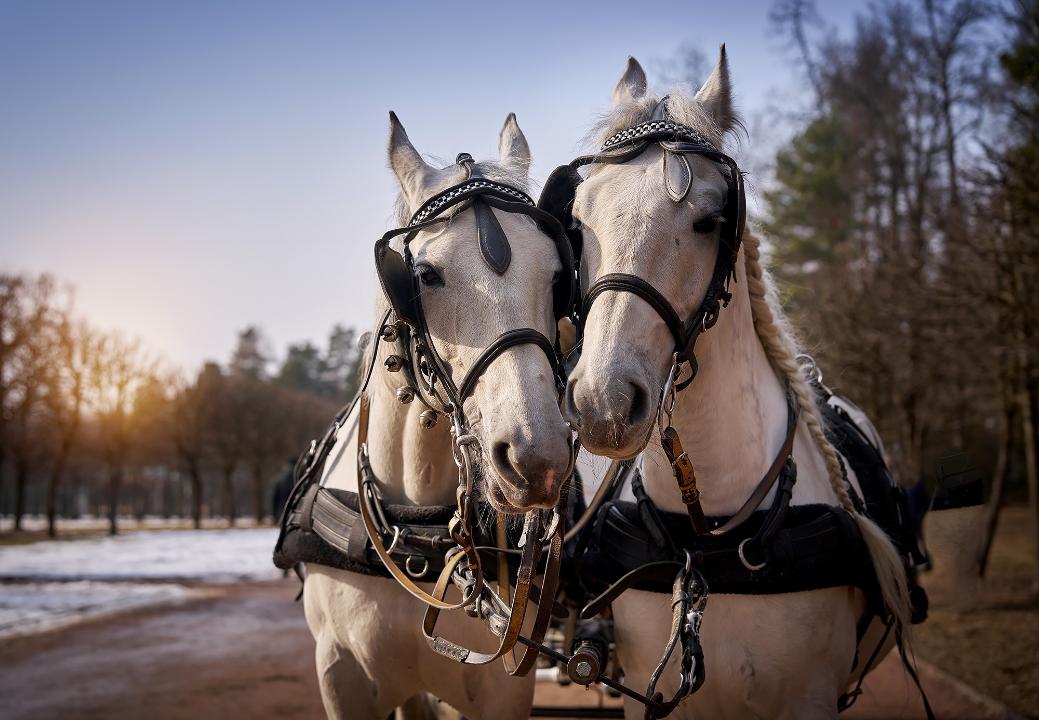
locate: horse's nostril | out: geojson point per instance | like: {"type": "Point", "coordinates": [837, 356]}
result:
{"type": "Point", "coordinates": [639, 406]}
{"type": "Point", "coordinates": [500, 454]}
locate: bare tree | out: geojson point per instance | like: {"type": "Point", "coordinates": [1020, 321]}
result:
{"type": "Point", "coordinates": [75, 348]}
{"type": "Point", "coordinates": [120, 367]}
{"type": "Point", "coordinates": [190, 412]}
{"type": "Point", "coordinates": [29, 314]}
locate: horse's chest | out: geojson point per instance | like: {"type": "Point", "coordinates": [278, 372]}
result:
{"type": "Point", "coordinates": [751, 644]}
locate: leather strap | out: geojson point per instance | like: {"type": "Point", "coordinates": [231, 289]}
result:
{"type": "Point", "coordinates": [546, 601]}
{"type": "Point", "coordinates": [509, 339]}
{"type": "Point", "coordinates": [774, 471]}
{"type": "Point", "coordinates": [376, 540]}
{"type": "Point", "coordinates": [685, 475]}
{"type": "Point", "coordinates": [623, 282]}
{"type": "Point", "coordinates": [508, 636]}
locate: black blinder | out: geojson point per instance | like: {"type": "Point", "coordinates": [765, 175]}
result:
{"type": "Point", "coordinates": [397, 283]}
{"type": "Point", "coordinates": [557, 199]}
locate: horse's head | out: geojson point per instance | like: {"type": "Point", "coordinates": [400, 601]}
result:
{"type": "Point", "coordinates": [471, 292]}
{"type": "Point", "coordinates": [633, 223]}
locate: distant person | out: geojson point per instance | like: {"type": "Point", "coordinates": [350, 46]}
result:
{"type": "Point", "coordinates": [282, 488]}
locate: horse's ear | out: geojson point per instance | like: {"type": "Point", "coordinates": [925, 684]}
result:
{"type": "Point", "coordinates": [716, 94]}
{"type": "Point", "coordinates": [411, 170]}
{"type": "Point", "coordinates": [513, 150]}
{"type": "Point", "coordinates": [632, 84]}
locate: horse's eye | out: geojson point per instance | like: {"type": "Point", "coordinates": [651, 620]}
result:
{"type": "Point", "coordinates": [706, 225]}
{"type": "Point", "coordinates": [429, 277]}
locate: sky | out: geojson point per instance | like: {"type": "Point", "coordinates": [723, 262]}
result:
{"type": "Point", "coordinates": [193, 167]}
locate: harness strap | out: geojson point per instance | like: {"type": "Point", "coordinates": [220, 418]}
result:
{"type": "Point", "coordinates": [509, 634]}
{"type": "Point", "coordinates": [366, 496]}
{"type": "Point", "coordinates": [623, 282]}
{"type": "Point", "coordinates": [846, 700]}
{"type": "Point", "coordinates": [685, 476]}
{"type": "Point", "coordinates": [546, 602]}
{"type": "Point", "coordinates": [509, 339]}
{"type": "Point", "coordinates": [770, 478]}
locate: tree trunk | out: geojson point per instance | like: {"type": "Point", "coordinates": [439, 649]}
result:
{"type": "Point", "coordinates": [196, 496]}
{"type": "Point", "coordinates": [1031, 471]}
{"type": "Point", "coordinates": [229, 505]}
{"type": "Point", "coordinates": [21, 476]}
{"type": "Point", "coordinates": [52, 501]}
{"type": "Point", "coordinates": [3, 466]}
{"type": "Point", "coordinates": [114, 483]}
{"type": "Point", "coordinates": [57, 471]}
{"type": "Point", "coordinates": [999, 477]}
{"type": "Point", "coordinates": [259, 496]}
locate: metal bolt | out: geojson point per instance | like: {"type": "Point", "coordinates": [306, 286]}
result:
{"type": "Point", "coordinates": [405, 394]}
{"type": "Point", "coordinates": [394, 363]}
{"type": "Point", "coordinates": [428, 418]}
{"type": "Point", "coordinates": [584, 668]}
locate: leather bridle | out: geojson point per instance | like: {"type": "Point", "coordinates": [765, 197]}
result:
{"type": "Point", "coordinates": [429, 378]}
{"type": "Point", "coordinates": [676, 141]}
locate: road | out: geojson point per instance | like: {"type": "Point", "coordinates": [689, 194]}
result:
{"type": "Point", "coordinates": [244, 651]}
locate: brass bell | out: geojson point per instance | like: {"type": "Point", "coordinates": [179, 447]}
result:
{"type": "Point", "coordinates": [389, 333]}
{"type": "Point", "coordinates": [428, 418]}
{"type": "Point", "coordinates": [394, 363]}
{"type": "Point", "coordinates": [405, 394]}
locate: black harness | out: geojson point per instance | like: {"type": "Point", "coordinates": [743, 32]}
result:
{"type": "Point", "coordinates": [616, 545]}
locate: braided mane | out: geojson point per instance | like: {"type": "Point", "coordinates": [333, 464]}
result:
{"type": "Point", "coordinates": [777, 338]}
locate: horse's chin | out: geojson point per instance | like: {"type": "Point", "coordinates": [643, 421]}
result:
{"type": "Point", "coordinates": [610, 445]}
{"type": "Point", "coordinates": [497, 500]}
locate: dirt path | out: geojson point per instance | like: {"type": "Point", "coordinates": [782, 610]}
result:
{"type": "Point", "coordinates": [245, 652]}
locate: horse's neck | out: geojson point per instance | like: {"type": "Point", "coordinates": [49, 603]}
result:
{"type": "Point", "coordinates": [732, 419]}
{"type": "Point", "coordinates": [414, 465]}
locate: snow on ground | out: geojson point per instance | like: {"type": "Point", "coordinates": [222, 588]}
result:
{"type": "Point", "coordinates": [51, 584]}
{"type": "Point", "coordinates": [27, 608]}
{"type": "Point", "coordinates": [93, 522]}
{"type": "Point", "coordinates": [173, 555]}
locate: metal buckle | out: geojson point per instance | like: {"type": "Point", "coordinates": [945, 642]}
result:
{"type": "Point", "coordinates": [668, 396]}
{"type": "Point", "coordinates": [743, 558]}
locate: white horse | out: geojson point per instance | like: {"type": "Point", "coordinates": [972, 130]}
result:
{"type": "Point", "coordinates": [371, 656]}
{"type": "Point", "coordinates": [776, 656]}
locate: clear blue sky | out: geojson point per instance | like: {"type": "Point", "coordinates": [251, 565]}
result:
{"type": "Point", "coordinates": [195, 167]}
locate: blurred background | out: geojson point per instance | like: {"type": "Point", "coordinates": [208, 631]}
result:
{"type": "Point", "coordinates": [189, 195]}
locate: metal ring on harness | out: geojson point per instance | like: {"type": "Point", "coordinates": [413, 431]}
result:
{"type": "Point", "coordinates": [743, 558]}
{"type": "Point", "coordinates": [810, 367]}
{"type": "Point", "coordinates": [417, 574]}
